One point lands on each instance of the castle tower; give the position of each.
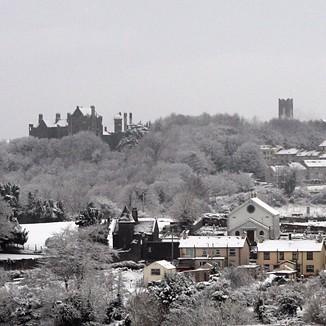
(285, 108)
(118, 123)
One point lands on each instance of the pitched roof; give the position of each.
(212, 241)
(145, 226)
(165, 264)
(265, 206)
(290, 151)
(315, 163)
(290, 245)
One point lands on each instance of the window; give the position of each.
(217, 253)
(237, 233)
(294, 255)
(232, 252)
(250, 209)
(310, 255)
(266, 256)
(281, 253)
(155, 271)
(310, 268)
(189, 252)
(261, 233)
(149, 249)
(204, 252)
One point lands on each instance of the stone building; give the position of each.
(285, 108)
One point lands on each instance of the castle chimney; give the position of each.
(57, 117)
(130, 118)
(134, 214)
(125, 122)
(40, 118)
(93, 110)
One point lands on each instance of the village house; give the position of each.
(276, 173)
(316, 170)
(132, 234)
(155, 271)
(286, 155)
(307, 255)
(225, 251)
(256, 219)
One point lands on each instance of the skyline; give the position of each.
(158, 58)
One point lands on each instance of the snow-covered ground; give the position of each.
(39, 232)
(289, 210)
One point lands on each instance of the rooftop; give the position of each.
(290, 245)
(212, 241)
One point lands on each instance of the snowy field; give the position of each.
(39, 232)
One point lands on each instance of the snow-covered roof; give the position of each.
(277, 168)
(145, 226)
(289, 245)
(297, 166)
(323, 144)
(165, 264)
(308, 153)
(117, 117)
(264, 205)
(323, 156)
(60, 123)
(290, 151)
(315, 163)
(212, 241)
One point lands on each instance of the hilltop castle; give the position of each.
(83, 119)
(285, 108)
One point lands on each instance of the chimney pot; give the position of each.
(40, 117)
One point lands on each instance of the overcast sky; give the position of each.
(154, 58)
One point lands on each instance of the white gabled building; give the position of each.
(256, 218)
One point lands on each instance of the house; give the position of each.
(132, 234)
(200, 274)
(277, 173)
(156, 271)
(286, 269)
(226, 251)
(269, 151)
(316, 170)
(286, 155)
(307, 155)
(256, 218)
(307, 255)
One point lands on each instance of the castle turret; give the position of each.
(118, 123)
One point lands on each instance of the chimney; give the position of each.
(125, 122)
(243, 234)
(130, 118)
(290, 236)
(105, 129)
(40, 118)
(93, 110)
(320, 238)
(134, 213)
(185, 234)
(57, 117)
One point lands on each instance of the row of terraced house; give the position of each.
(308, 166)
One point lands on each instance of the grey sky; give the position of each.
(154, 58)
